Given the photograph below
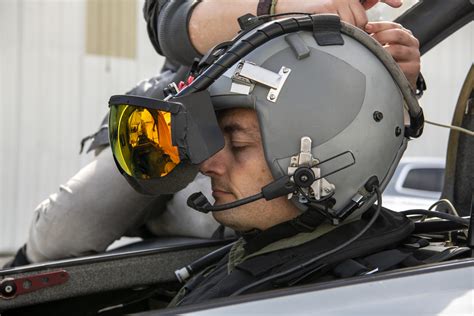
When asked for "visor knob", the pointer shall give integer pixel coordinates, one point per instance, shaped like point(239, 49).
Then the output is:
point(304, 177)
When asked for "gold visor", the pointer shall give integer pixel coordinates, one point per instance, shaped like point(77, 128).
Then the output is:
point(141, 141)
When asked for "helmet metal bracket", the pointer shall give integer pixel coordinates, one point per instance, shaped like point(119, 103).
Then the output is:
point(299, 170)
point(247, 74)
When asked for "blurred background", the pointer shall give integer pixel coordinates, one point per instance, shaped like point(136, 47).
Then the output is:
point(61, 60)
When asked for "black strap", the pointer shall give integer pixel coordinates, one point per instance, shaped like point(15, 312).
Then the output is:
point(306, 222)
point(390, 229)
point(446, 254)
point(327, 30)
point(263, 7)
point(349, 268)
point(380, 261)
point(312, 272)
point(420, 85)
point(385, 260)
point(416, 125)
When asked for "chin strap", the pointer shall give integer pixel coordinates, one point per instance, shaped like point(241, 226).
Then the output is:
point(308, 221)
point(315, 260)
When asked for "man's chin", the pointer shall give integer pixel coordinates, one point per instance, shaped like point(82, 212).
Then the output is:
point(233, 217)
point(220, 200)
point(227, 219)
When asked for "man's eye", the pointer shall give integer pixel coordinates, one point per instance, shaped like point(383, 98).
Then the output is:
point(238, 148)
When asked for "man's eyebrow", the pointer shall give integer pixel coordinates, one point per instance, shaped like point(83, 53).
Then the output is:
point(233, 128)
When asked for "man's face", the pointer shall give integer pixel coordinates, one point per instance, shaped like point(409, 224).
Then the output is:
point(239, 170)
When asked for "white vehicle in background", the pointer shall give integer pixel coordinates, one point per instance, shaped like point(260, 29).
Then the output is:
point(416, 184)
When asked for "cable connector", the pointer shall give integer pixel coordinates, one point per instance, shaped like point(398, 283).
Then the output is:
point(357, 201)
point(248, 22)
point(280, 187)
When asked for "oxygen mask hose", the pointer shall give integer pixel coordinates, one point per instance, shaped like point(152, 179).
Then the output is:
point(185, 273)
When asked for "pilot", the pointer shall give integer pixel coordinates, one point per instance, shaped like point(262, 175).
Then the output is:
point(299, 123)
point(85, 224)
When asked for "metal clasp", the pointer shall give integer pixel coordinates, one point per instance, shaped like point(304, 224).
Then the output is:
point(247, 75)
point(320, 188)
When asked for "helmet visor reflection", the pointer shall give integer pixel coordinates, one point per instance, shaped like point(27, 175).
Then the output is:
point(141, 141)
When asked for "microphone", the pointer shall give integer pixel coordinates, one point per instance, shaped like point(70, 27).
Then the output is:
point(280, 187)
point(199, 202)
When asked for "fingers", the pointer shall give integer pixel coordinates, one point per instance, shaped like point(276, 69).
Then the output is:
point(391, 33)
point(352, 12)
point(411, 71)
point(393, 3)
point(408, 58)
point(401, 44)
point(369, 3)
point(398, 36)
point(345, 14)
point(402, 53)
point(360, 16)
point(375, 27)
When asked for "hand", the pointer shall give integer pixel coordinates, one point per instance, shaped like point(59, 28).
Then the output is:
point(350, 11)
point(370, 3)
point(401, 44)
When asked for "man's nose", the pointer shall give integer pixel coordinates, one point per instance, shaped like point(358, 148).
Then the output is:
point(215, 165)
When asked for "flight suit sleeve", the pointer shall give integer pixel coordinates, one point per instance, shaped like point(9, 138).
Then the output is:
point(167, 26)
point(97, 205)
point(94, 208)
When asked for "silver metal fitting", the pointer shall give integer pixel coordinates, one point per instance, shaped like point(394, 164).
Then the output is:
point(247, 75)
point(275, 92)
point(320, 188)
point(182, 274)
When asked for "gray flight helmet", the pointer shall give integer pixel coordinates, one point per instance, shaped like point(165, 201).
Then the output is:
point(348, 98)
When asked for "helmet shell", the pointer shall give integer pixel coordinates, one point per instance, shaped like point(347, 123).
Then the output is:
point(333, 96)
